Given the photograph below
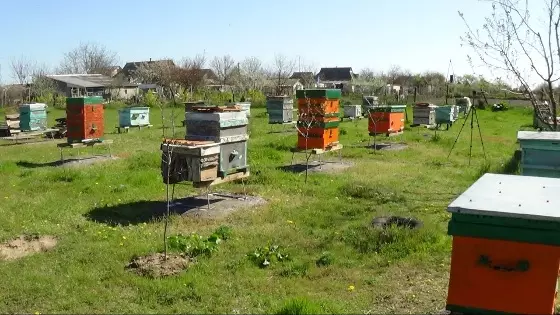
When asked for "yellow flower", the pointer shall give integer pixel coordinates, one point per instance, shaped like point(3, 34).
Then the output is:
point(121, 244)
point(37, 313)
point(124, 237)
point(119, 200)
point(290, 221)
point(351, 288)
point(6, 197)
point(96, 183)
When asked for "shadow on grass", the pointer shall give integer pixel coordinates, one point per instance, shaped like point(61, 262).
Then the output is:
point(70, 161)
point(511, 167)
point(299, 168)
point(144, 211)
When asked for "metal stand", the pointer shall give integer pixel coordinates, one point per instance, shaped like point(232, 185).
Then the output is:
point(474, 115)
point(319, 153)
point(79, 145)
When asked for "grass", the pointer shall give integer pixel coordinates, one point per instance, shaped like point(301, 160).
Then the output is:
point(324, 225)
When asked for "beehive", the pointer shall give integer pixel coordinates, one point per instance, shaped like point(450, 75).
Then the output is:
point(318, 118)
point(446, 114)
point(134, 116)
point(352, 111)
point(229, 129)
point(369, 102)
point(194, 161)
point(387, 119)
point(506, 246)
point(424, 114)
point(33, 117)
point(540, 153)
point(245, 107)
point(280, 109)
point(84, 118)
point(463, 104)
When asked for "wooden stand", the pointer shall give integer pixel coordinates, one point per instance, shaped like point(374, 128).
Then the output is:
point(126, 128)
point(62, 146)
point(220, 180)
point(31, 135)
point(335, 148)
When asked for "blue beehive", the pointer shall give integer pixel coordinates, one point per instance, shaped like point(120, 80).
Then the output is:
point(33, 117)
point(134, 116)
point(540, 153)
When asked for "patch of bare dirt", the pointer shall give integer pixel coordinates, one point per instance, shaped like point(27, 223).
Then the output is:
point(388, 146)
point(26, 245)
point(216, 204)
point(156, 266)
point(318, 167)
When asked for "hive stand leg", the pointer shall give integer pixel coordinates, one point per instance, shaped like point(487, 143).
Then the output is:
point(110, 153)
point(173, 195)
point(340, 155)
point(208, 196)
point(320, 160)
point(61, 156)
point(293, 154)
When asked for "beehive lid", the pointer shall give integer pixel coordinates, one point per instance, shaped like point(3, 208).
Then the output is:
point(536, 135)
point(319, 93)
point(511, 196)
point(34, 105)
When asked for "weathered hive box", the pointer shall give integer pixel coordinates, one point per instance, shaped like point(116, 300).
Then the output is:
point(540, 153)
point(193, 161)
point(369, 102)
point(134, 116)
point(245, 107)
point(388, 119)
point(189, 105)
point(506, 246)
point(424, 114)
point(84, 118)
point(352, 111)
point(318, 118)
point(33, 117)
point(446, 114)
point(280, 109)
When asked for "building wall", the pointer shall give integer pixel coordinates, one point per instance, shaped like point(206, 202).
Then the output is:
point(124, 93)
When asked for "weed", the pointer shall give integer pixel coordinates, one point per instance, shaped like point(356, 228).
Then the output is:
point(264, 256)
point(295, 270)
point(381, 195)
point(326, 259)
point(195, 245)
point(299, 306)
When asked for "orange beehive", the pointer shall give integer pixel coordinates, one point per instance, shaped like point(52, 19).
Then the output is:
point(317, 138)
point(506, 246)
point(84, 118)
point(386, 120)
point(318, 106)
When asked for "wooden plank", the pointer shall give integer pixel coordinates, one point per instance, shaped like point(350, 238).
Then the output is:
point(84, 144)
point(228, 178)
point(334, 147)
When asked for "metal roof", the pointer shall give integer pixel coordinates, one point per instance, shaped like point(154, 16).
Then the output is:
point(87, 80)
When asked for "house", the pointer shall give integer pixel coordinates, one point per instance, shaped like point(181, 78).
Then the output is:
point(282, 86)
point(113, 71)
point(129, 69)
point(209, 76)
point(76, 85)
point(338, 78)
point(306, 78)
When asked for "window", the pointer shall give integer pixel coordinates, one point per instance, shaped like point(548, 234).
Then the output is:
point(125, 91)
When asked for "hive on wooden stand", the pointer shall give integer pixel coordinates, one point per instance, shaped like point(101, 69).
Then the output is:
point(134, 116)
point(506, 246)
point(11, 126)
point(84, 119)
point(280, 109)
point(318, 118)
point(386, 119)
point(352, 111)
point(424, 114)
point(33, 117)
point(192, 161)
point(540, 153)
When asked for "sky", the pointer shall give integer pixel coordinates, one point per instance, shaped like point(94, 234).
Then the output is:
point(418, 35)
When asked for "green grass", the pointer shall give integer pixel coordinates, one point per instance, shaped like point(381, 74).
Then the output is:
point(323, 225)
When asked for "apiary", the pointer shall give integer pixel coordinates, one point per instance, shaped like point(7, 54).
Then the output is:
point(424, 114)
point(33, 117)
point(540, 153)
point(318, 118)
point(506, 246)
point(280, 109)
point(446, 114)
point(193, 161)
point(386, 119)
point(134, 116)
point(84, 118)
point(228, 128)
point(352, 111)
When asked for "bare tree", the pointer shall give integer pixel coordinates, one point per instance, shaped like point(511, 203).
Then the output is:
point(308, 117)
point(22, 69)
point(523, 46)
point(191, 75)
point(281, 71)
point(42, 85)
point(252, 73)
point(88, 58)
point(223, 67)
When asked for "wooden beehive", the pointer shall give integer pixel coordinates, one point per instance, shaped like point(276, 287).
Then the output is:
point(318, 118)
point(387, 119)
point(245, 107)
point(193, 161)
point(352, 111)
point(540, 153)
point(134, 116)
point(446, 114)
point(424, 114)
point(84, 118)
point(280, 109)
point(33, 117)
point(506, 246)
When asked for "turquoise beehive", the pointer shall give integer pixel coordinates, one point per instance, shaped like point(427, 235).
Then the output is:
point(134, 116)
point(540, 153)
point(33, 117)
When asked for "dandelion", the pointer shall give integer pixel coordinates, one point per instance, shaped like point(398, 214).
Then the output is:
point(121, 244)
point(119, 200)
point(290, 221)
point(124, 237)
point(37, 313)
point(351, 288)
point(96, 183)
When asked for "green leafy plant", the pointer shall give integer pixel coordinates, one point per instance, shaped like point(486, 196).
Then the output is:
point(326, 259)
point(194, 245)
point(264, 256)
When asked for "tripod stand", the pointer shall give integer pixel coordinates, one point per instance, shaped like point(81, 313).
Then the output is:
point(473, 116)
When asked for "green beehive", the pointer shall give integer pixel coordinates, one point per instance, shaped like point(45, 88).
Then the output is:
point(388, 109)
point(446, 114)
point(319, 93)
point(540, 153)
point(84, 100)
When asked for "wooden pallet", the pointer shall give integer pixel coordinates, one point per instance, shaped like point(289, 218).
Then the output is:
point(335, 147)
point(126, 128)
point(84, 144)
point(226, 179)
point(220, 109)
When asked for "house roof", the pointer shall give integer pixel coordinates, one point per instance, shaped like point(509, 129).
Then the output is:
point(285, 82)
point(336, 74)
point(130, 67)
point(87, 80)
point(302, 75)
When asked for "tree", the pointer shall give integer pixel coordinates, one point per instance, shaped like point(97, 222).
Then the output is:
point(223, 67)
point(88, 58)
point(252, 73)
point(522, 45)
point(22, 69)
point(281, 70)
point(190, 74)
point(42, 85)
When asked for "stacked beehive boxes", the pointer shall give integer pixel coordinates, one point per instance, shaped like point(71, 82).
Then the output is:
point(228, 128)
point(387, 119)
point(318, 118)
point(33, 117)
point(134, 116)
point(194, 161)
point(280, 109)
point(463, 104)
point(506, 246)
point(84, 119)
point(424, 114)
point(11, 126)
point(540, 153)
